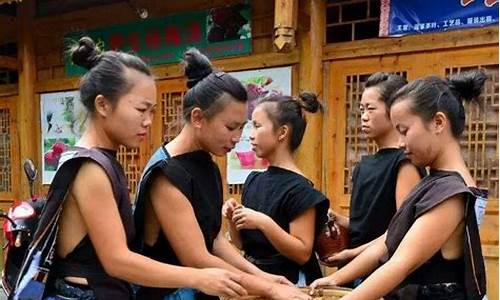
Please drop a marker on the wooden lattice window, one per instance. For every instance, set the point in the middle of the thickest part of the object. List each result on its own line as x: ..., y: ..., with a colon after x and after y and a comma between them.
x: 479, y: 141
x: 356, y: 143
x: 130, y: 159
x: 133, y: 160
x: 171, y: 114
x: 5, y: 156
x: 351, y: 20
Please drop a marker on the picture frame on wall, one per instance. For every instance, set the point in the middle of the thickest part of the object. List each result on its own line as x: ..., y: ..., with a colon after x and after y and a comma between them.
x: 63, y: 120
x: 241, y: 160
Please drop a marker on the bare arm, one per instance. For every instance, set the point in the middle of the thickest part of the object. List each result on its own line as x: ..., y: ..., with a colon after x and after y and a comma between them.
x: 104, y: 226
x: 296, y: 245
x: 408, y: 177
x: 235, y: 236
x: 227, y: 211
x: 178, y: 221
x: 427, y: 236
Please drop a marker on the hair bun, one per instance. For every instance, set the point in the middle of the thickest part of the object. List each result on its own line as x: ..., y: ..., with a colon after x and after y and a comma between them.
x: 85, y: 54
x: 196, y: 66
x: 467, y: 85
x: 309, y: 101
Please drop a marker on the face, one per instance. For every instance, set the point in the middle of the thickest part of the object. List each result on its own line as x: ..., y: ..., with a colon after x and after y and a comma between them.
x: 264, y: 137
x: 219, y: 134
x: 128, y: 121
x: 420, y: 142
x: 374, y: 119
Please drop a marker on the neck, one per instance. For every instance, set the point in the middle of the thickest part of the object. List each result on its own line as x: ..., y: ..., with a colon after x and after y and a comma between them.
x: 388, y: 140
x: 450, y: 159
x: 96, y: 136
x: 283, y: 158
x: 185, y: 142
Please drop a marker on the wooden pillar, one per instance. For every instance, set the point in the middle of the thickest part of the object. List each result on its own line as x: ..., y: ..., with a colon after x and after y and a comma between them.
x: 27, y: 106
x: 311, y: 37
x: 285, y: 24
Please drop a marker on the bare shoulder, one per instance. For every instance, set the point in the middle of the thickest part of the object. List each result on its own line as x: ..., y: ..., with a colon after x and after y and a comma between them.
x: 91, y: 179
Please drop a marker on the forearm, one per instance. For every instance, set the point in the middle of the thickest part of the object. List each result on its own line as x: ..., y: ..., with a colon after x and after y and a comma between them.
x: 288, y: 245
x: 224, y: 250
x: 141, y: 270
x: 235, y: 236
x: 380, y: 283
x: 365, y: 246
x: 228, y: 258
x: 363, y: 264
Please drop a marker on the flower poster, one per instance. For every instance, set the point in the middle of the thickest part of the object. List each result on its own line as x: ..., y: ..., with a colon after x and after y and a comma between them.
x: 259, y: 84
x: 63, y: 120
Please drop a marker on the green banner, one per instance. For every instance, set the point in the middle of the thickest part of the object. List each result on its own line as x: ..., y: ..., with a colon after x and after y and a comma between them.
x: 217, y: 32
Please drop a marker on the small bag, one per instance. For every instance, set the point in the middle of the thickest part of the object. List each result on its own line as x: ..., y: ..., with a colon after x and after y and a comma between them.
x: 332, y: 239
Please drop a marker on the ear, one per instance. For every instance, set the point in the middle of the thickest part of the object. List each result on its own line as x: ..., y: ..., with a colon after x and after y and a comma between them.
x: 283, y: 132
x: 102, y: 106
x: 439, y: 121
x: 197, y: 117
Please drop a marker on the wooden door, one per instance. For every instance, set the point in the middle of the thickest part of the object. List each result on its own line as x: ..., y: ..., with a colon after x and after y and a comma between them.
x: 344, y: 144
x: 9, y: 152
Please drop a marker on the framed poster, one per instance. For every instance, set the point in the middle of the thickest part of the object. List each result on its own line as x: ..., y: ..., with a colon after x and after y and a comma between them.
x: 259, y: 83
x: 63, y: 120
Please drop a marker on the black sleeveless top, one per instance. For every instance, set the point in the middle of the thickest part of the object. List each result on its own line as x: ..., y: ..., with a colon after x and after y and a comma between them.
x: 373, y: 199
x: 469, y: 270
x: 197, y: 176
x: 83, y: 260
x: 282, y: 195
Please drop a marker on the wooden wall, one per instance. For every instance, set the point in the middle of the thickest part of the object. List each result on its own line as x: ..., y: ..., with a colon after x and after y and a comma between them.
x: 313, y: 69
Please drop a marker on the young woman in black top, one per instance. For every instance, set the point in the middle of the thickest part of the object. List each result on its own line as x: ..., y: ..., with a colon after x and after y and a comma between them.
x: 281, y: 212
x: 380, y: 181
x: 432, y: 248
x: 93, y: 259
x: 179, y: 214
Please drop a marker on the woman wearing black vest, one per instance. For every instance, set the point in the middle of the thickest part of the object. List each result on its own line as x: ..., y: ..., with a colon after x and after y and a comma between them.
x: 93, y: 259
x: 432, y: 248
x: 281, y: 211
x: 381, y: 181
x: 178, y: 216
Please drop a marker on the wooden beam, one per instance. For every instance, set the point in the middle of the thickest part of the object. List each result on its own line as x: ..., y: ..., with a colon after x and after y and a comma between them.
x: 412, y: 43
x: 8, y: 90
x: 56, y: 85
x: 28, y: 104
x: 257, y: 61
x: 8, y: 62
x: 309, y: 155
x: 285, y: 24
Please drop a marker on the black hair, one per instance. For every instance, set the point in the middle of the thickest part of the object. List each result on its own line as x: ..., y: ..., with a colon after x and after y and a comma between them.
x: 106, y: 71
x: 387, y: 84
x: 287, y: 110
x: 433, y: 94
x: 206, y: 86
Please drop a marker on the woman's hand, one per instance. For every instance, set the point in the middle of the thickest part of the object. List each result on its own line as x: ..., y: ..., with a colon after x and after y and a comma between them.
x: 219, y: 282
x: 275, y: 278
x: 325, y: 281
x: 228, y: 208
x: 247, y: 218
x: 286, y: 292
x: 339, y: 258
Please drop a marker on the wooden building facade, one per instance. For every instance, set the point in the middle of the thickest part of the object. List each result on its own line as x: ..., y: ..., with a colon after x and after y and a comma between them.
x: 332, y: 48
